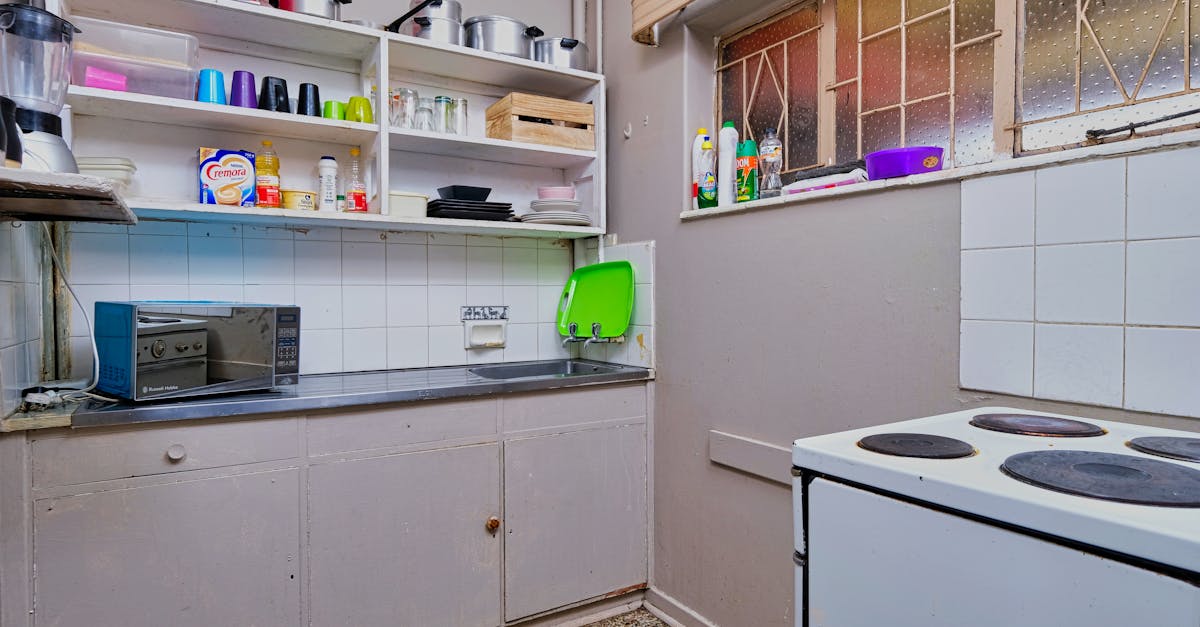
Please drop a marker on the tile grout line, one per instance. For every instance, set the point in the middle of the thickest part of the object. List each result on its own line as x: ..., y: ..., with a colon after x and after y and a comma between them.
x: 1033, y: 355
x: 1125, y: 291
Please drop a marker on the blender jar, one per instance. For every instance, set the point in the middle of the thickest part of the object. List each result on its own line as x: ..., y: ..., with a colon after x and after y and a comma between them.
x: 35, y: 49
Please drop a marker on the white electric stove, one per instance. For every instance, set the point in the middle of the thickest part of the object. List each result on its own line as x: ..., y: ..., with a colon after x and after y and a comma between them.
x: 998, y: 517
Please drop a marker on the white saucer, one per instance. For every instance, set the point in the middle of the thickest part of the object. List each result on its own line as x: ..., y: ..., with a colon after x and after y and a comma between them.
x: 552, y: 205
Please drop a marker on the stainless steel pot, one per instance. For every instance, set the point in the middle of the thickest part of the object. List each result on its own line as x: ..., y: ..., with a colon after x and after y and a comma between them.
x: 330, y: 9
x: 497, y: 33
x: 438, y: 29
x: 562, y: 52
x: 445, y: 9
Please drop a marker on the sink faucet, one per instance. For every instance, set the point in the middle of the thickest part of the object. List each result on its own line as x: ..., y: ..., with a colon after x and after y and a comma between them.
x: 595, y: 335
x: 572, y: 329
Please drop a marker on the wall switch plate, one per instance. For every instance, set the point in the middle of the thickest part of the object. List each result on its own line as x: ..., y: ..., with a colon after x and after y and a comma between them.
x: 486, y: 312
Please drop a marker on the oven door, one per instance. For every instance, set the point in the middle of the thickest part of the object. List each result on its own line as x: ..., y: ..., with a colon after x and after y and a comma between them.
x: 875, y: 560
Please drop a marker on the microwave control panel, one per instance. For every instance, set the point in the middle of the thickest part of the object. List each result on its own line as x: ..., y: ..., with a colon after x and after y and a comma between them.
x: 287, y: 341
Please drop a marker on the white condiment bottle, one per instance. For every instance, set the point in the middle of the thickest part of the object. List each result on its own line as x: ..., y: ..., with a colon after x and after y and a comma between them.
x: 726, y: 172
x: 327, y: 172
x: 697, y: 167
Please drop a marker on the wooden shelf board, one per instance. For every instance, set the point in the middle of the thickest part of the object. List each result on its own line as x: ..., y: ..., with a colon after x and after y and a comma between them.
x: 488, y: 149
x: 150, y: 209
x: 175, y: 112
x: 35, y: 196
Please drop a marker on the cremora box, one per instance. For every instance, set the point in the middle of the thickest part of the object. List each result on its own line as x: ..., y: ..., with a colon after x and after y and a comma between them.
x: 227, y: 177
x: 152, y: 350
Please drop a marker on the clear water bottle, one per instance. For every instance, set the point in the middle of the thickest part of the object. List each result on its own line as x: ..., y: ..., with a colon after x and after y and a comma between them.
x: 770, y: 159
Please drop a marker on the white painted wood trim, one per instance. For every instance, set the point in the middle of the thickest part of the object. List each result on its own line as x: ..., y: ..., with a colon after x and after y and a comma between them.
x: 671, y: 611
x: 761, y: 459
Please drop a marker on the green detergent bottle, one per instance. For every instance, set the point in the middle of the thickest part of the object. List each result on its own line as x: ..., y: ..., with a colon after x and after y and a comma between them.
x: 747, y: 171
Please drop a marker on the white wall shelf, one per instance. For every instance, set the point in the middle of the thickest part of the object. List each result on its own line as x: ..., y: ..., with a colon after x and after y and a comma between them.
x: 176, y: 112
x: 488, y: 149
x: 152, y: 209
x: 34, y: 196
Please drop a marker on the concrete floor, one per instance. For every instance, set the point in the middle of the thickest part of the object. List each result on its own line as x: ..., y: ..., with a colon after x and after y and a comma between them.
x: 636, y: 618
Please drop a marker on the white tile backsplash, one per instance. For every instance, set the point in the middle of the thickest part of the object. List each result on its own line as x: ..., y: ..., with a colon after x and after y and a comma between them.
x: 407, y: 264
x: 445, y: 304
x: 269, y: 261
x: 1081, y: 363
x: 407, y: 347
x: 215, y: 260
x: 1081, y: 202
x: 361, y: 349
x: 446, y: 346
x: 1081, y: 283
x: 318, y: 262
x: 447, y: 265
x: 521, y: 343
x: 522, y: 301
x: 1164, y: 283
x: 1115, y: 292
x: 20, y: 306
x: 1162, y: 194
x: 484, y: 265
x: 997, y: 211
x: 364, y: 306
x: 407, y: 306
x: 98, y: 258
x: 364, y: 263
x: 1162, y: 368
x: 996, y: 357
x: 157, y: 260
x: 997, y: 284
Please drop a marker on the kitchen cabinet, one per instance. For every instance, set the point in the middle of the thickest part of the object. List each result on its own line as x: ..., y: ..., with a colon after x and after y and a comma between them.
x: 576, y: 517
x: 215, y: 551
x: 404, y: 539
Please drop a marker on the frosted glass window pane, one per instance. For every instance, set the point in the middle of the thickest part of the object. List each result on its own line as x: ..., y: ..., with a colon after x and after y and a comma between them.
x: 917, y: 8
x: 879, y: 14
x: 973, y: 141
x: 927, y: 123
x: 766, y: 106
x: 1096, y: 85
x: 1048, y: 59
x: 881, y: 71
x: 1127, y: 30
x: 847, y: 123
x: 769, y: 34
x: 928, y: 59
x: 1166, y: 70
x: 881, y: 130
x: 974, y: 18
x: 1195, y: 43
x: 732, y: 99
x: 847, y: 40
x: 801, y: 140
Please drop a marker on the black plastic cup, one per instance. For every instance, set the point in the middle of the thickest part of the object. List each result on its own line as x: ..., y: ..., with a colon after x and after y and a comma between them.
x: 10, y: 133
x: 274, y: 95
x: 310, y: 100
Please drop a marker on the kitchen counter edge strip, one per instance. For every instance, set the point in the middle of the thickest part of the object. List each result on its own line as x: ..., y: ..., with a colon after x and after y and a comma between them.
x: 94, y: 414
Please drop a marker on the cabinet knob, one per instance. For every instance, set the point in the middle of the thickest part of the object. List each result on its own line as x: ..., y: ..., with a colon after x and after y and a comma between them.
x: 176, y: 453
x: 493, y: 524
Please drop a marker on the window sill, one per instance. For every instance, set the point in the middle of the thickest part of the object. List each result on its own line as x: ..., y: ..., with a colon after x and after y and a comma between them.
x: 1179, y: 139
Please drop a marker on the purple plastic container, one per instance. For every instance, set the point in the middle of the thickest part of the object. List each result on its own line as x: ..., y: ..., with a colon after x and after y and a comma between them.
x: 243, y: 93
x: 894, y: 162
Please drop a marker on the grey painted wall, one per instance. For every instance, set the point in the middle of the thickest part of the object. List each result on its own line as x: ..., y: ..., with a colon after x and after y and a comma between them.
x: 772, y: 325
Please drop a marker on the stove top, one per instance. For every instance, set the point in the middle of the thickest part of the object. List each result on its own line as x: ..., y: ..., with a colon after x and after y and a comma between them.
x: 1032, y: 424
x: 1168, y: 533
x: 917, y: 445
x: 1109, y: 476
x: 1184, y: 449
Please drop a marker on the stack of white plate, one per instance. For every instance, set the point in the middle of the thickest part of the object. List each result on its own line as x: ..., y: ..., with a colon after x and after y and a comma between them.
x: 551, y: 211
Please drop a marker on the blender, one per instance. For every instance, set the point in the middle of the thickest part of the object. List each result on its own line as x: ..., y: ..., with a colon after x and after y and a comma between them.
x: 35, y: 49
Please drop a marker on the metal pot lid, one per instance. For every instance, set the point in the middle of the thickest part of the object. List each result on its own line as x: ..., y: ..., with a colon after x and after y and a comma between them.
x: 494, y: 18
x: 564, y: 42
x: 1108, y: 476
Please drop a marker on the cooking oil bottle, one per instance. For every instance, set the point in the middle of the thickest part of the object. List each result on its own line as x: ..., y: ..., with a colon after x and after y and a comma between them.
x: 356, y: 188
x: 266, y: 170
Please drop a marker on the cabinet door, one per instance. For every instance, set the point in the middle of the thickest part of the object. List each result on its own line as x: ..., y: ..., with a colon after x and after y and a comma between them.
x: 575, y: 509
x: 402, y: 540
x: 196, y: 553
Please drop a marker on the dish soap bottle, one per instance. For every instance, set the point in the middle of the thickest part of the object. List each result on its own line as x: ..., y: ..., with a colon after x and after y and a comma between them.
x: 266, y: 171
x: 356, y: 189
x: 697, y: 171
x: 770, y: 160
x: 727, y: 140
x: 747, y: 171
x: 706, y: 196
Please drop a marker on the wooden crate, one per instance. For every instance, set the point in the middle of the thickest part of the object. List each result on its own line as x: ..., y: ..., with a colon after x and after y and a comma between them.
x: 521, y: 118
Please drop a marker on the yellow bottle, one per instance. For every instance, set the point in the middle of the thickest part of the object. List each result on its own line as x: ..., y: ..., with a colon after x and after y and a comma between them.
x: 266, y: 169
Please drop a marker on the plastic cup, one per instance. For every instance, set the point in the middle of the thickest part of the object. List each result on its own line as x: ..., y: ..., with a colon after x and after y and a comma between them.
x: 310, y: 100
x: 212, y: 87
x: 359, y: 110
x: 334, y: 110
x: 243, y: 93
x: 274, y: 95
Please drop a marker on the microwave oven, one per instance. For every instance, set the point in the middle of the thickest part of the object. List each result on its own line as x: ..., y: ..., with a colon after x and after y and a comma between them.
x: 154, y: 350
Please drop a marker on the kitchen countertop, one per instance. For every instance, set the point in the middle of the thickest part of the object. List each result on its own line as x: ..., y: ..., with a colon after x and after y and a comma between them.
x: 333, y: 391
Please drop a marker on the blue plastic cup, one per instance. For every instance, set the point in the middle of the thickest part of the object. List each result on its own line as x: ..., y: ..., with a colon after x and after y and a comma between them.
x: 212, y: 87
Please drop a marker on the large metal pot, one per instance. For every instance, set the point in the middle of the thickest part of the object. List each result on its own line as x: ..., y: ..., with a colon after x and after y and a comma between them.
x: 330, y: 9
x: 438, y: 29
x: 445, y: 9
x: 496, y: 33
x: 562, y: 52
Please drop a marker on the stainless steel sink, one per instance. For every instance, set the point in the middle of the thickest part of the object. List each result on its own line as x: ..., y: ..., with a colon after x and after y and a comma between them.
x: 565, y: 368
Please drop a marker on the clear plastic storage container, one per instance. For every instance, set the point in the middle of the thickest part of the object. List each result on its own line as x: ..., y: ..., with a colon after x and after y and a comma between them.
x: 121, y: 57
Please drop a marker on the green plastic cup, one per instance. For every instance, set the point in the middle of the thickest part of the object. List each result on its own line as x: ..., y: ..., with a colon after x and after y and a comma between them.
x: 334, y: 110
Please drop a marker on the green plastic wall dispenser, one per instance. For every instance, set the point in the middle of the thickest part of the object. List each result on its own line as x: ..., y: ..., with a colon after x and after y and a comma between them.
x: 600, y: 293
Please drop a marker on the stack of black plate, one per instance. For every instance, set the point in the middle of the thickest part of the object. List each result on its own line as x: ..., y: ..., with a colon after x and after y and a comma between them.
x: 464, y: 202
x: 470, y: 209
